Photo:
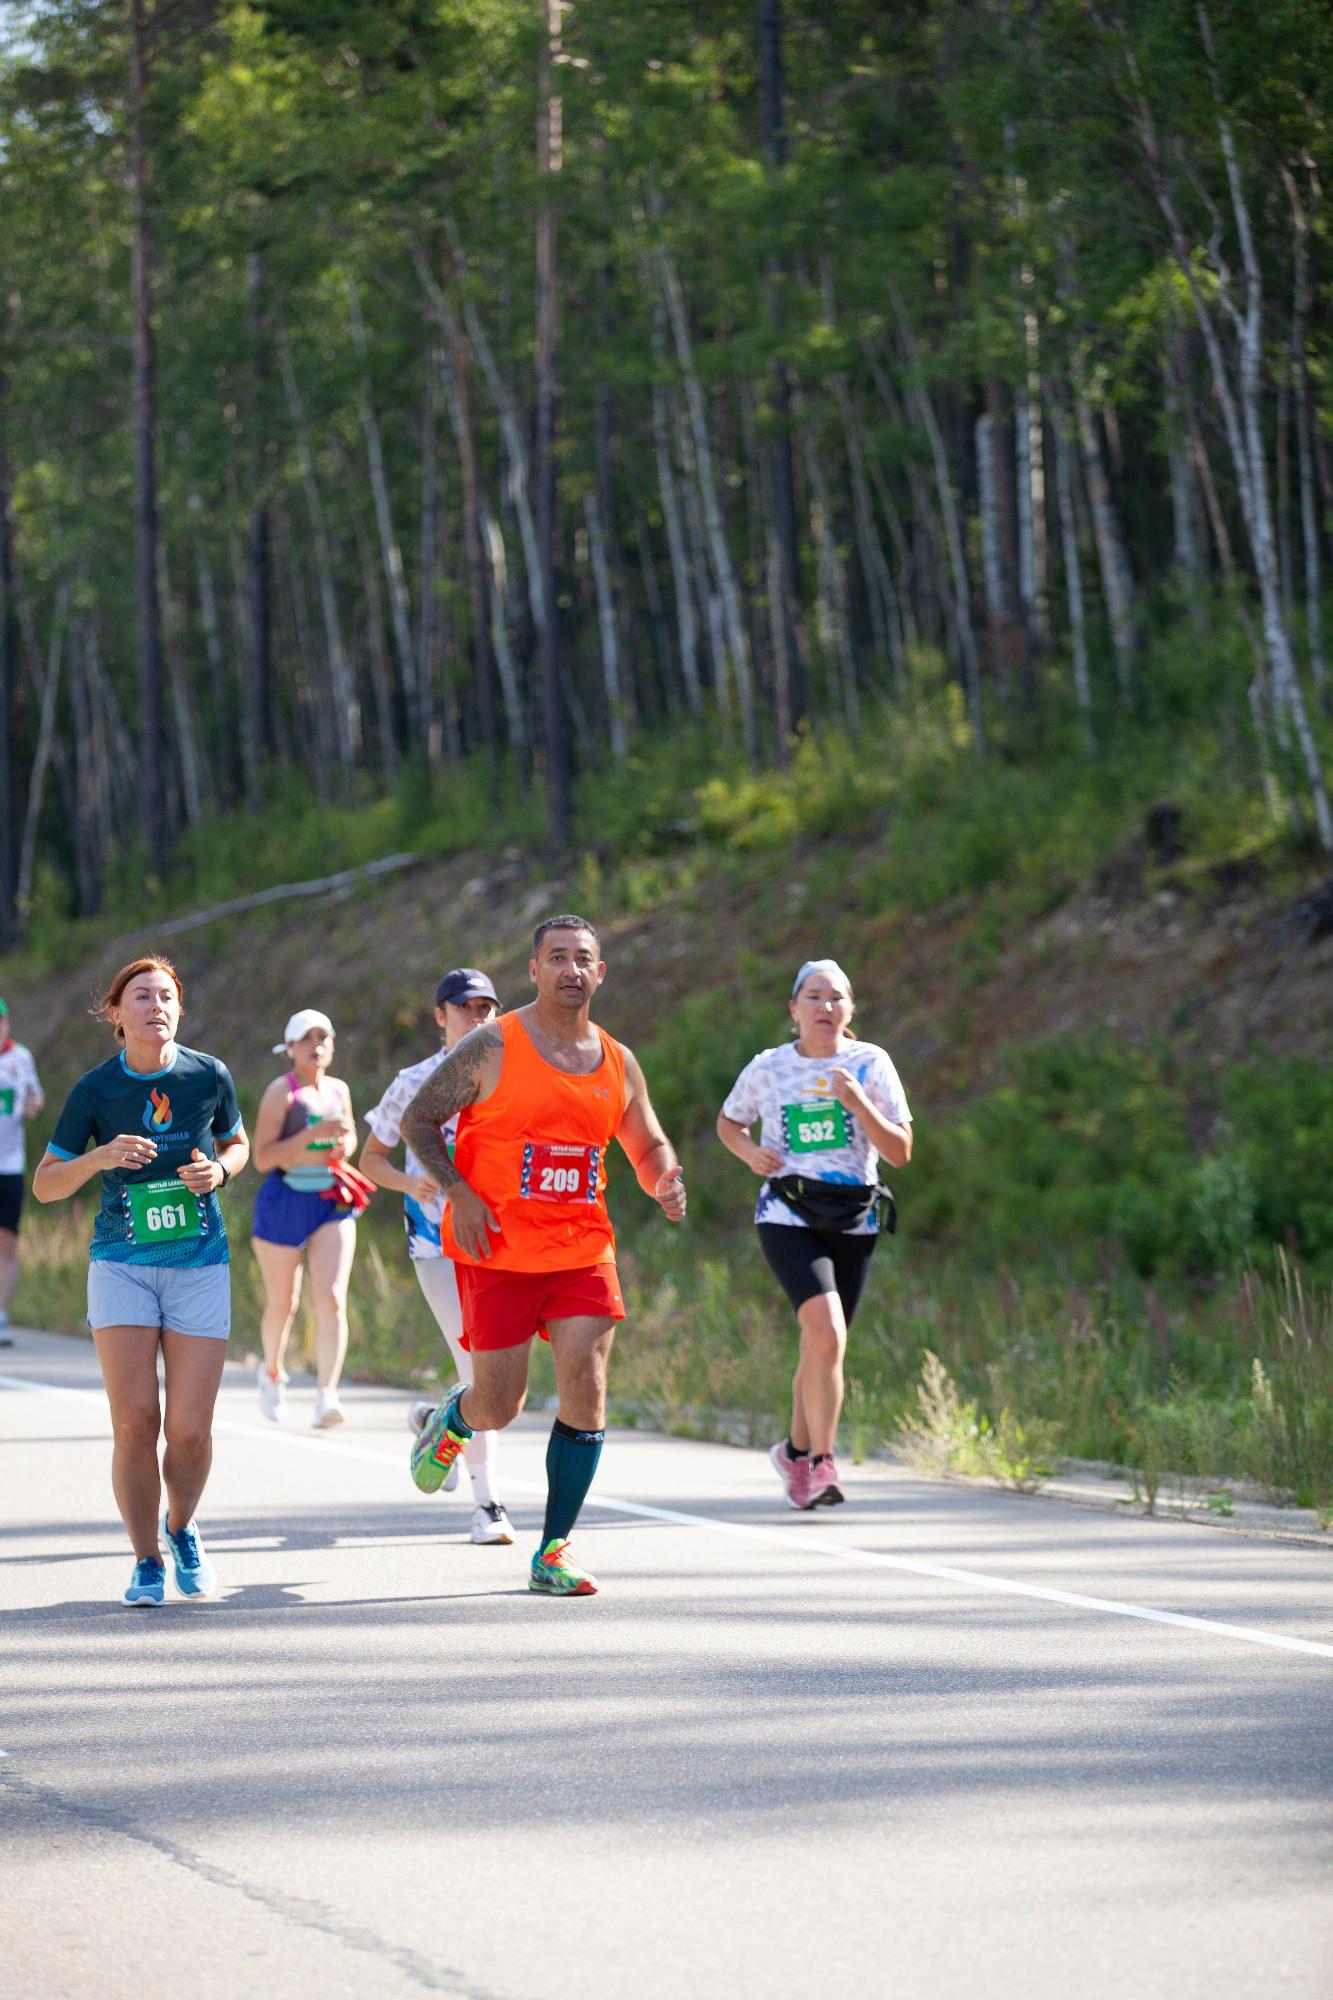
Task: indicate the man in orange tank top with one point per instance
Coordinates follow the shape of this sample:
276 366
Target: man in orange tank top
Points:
539 1095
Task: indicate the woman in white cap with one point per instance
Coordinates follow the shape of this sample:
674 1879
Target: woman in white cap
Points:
305 1126
464 999
829 1108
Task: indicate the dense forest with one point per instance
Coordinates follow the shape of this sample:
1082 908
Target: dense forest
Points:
386 384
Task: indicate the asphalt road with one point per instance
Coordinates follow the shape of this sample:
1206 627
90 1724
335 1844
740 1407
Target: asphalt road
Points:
935 1743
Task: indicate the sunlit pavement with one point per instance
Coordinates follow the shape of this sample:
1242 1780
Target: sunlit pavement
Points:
765 1759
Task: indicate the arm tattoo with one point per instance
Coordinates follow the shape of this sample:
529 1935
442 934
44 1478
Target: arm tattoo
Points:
448 1090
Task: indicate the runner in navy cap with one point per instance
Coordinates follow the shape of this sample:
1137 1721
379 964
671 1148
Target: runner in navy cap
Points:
465 983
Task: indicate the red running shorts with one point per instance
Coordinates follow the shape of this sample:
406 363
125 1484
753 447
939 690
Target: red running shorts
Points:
505 1308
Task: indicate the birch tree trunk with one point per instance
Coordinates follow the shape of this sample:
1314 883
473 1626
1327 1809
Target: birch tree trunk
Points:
151 788
1117 591
734 623
1240 405
193 784
1078 642
709 601
381 677
87 842
991 573
1286 568
510 689
1039 622
680 567
390 552
885 626
606 619
516 456
781 533
1186 553
426 611
549 160
903 582
1276 634
46 729
208 618
652 591
257 705
313 720
459 392
836 636
11 917
342 695
965 638
1303 219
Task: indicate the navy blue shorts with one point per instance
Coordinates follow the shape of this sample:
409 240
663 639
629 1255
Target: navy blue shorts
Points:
11 1201
290 1215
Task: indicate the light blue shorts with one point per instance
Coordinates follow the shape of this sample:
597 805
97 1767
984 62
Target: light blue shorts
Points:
197 1302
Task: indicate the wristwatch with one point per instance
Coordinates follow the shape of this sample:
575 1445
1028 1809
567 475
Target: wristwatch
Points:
226 1172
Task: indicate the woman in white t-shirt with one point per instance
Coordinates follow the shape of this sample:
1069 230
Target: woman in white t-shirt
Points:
829 1108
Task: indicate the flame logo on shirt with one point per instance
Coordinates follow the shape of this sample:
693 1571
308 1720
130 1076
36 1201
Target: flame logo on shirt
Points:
157 1111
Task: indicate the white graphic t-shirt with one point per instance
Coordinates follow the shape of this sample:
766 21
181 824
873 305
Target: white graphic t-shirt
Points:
421 1219
18 1079
800 1118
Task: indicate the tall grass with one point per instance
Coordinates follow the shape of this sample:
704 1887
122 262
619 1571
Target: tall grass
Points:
1237 1382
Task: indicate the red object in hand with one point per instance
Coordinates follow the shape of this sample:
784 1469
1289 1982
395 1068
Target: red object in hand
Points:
350 1187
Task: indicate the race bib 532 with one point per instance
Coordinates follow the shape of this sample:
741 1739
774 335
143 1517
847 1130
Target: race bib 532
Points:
815 1128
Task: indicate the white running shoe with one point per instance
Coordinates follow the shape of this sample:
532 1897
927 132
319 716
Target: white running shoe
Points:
272 1396
328 1410
490 1523
419 1415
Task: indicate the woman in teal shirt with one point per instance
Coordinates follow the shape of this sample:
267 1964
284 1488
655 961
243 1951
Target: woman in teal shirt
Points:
165 1133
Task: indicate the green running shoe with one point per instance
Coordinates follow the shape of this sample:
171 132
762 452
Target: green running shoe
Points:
438 1444
553 1573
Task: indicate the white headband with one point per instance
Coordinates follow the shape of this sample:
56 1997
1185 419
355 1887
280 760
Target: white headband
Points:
299 1025
831 970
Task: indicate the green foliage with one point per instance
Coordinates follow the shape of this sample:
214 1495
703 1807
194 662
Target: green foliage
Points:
947 1433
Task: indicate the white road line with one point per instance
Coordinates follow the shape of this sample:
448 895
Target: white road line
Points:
782 1538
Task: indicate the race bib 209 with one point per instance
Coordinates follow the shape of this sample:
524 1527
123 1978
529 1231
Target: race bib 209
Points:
553 1172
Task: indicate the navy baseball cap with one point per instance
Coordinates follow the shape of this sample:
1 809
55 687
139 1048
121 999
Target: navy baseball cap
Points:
462 984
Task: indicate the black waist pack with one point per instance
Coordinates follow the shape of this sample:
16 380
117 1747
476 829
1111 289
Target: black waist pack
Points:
833 1206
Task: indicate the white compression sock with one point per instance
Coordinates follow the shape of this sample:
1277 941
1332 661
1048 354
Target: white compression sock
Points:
439 1285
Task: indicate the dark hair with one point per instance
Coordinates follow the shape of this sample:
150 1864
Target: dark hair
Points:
152 963
565 923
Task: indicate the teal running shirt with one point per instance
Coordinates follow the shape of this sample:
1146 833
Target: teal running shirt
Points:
190 1103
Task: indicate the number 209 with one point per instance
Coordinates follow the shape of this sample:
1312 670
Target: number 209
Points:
560 1180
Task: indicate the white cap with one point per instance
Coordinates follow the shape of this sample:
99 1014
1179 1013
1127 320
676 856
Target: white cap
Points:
301 1024
831 970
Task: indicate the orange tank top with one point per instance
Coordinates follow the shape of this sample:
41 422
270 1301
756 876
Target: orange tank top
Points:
535 1152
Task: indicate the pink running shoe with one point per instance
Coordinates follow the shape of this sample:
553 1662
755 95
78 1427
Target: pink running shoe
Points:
822 1484
794 1474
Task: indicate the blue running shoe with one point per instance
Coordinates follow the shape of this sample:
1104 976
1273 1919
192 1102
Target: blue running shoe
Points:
195 1575
148 1585
439 1444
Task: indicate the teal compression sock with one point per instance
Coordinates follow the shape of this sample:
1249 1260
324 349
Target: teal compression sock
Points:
571 1461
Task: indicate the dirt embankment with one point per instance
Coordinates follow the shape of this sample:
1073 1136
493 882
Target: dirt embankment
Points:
1123 954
